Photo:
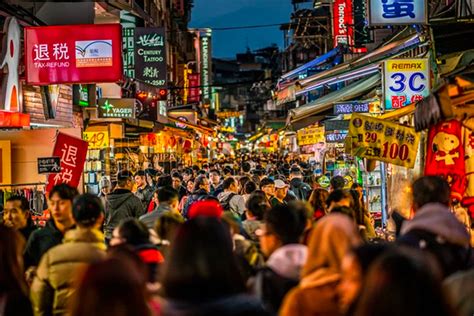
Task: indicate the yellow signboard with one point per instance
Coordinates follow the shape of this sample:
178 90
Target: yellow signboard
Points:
228 114
384 141
310 136
96 140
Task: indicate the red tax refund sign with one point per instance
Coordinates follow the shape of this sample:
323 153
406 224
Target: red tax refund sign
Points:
73 54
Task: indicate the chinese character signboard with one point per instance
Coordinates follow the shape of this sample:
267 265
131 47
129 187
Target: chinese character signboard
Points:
194 88
73 54
116 108
405 81
206 62
310 136
73 152
49 165
96 140
385 141
351 107
343 23
150 55
398 12
336 136
129 52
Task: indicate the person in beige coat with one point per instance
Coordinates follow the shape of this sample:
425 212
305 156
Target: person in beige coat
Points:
316 293
53 284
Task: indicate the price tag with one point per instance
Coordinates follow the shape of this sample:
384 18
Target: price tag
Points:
384 141
96 140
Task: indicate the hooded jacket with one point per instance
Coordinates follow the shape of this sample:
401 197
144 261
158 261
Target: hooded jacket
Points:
281 274
53 284
236 202
435 229
316 293
120 204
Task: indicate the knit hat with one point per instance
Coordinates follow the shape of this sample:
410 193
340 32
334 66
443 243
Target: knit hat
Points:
210 208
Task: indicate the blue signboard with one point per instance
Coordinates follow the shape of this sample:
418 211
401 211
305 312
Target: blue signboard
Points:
398 12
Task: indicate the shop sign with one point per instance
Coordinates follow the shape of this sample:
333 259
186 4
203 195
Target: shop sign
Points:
206 61
14 119
310 136
150 55
324 181
116 108
398 12
129 52
382 140
286 95
73 152
351 107
405 81
73 54
49 165
96 140
84 95
336 136
9 61
343 23
228 114
361 24
194 88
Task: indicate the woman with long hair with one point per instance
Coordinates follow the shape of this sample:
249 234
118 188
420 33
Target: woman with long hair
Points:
316 293
201 275
317 200
13 288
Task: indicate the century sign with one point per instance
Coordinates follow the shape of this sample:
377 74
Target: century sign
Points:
150 55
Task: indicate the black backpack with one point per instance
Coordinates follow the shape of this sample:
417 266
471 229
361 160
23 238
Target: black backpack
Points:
226 203
301 191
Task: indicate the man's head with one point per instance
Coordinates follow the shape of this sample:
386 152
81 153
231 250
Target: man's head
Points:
177 180
281 189
150 174
430 189
187 174
246 167
295 173
228 171
169 196
283 225
130 231
230 185
125 180
60 202
202 183
339 198
88 211
337 183
105 185
214 177
16 212
140 179
267 185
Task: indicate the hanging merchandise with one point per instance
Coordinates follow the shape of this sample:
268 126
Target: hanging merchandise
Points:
469 165
445 156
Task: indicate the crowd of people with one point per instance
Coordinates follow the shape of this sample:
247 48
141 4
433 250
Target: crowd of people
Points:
233 238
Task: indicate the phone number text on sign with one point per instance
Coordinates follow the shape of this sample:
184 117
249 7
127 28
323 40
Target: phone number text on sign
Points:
385 141
96 140
405 81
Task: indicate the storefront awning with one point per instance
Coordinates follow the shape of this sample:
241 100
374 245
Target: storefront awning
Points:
201 129
326 102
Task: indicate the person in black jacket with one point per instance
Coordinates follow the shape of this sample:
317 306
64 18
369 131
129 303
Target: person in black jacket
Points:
301 189
144 190
279 240
121 204
60 205
16 214
202 189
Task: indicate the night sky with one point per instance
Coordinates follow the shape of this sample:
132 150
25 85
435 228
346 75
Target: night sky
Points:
229 13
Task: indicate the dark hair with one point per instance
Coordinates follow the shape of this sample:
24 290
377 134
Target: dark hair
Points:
246 167
296 171
215 171
228 182
199 181
115 286
287 222
431 189
86 209
24 205
167 225
250 187
122 178
346 211
318 199
206 242
257 204
395 279
357 207
356 185
265 182
228 170
12 280
64 191
164 180
167 194
202 172
134 232
195 168
140 173
242 182
337 196
176 175
188 171
338 183
368 253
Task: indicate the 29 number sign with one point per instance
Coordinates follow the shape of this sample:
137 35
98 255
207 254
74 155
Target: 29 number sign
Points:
97 140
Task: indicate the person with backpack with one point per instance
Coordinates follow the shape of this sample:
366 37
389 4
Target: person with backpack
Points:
230 199
301 189
202 189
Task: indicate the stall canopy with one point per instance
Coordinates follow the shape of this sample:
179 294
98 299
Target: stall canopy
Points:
326 102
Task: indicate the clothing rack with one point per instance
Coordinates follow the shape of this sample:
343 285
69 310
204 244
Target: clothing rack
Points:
22 184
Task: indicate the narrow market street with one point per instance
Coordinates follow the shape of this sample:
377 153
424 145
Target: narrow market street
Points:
237 158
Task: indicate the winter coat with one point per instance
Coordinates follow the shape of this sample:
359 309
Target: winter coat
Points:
29 229
280 275
235 305
53 285
301 189
121 204
235 202
145 195
40 241
196 196
150 219
215 191
435 229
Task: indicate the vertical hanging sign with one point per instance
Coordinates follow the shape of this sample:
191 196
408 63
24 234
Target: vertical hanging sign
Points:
343 22
150 55
206 61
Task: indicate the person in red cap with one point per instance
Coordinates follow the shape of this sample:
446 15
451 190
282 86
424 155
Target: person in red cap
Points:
209 208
